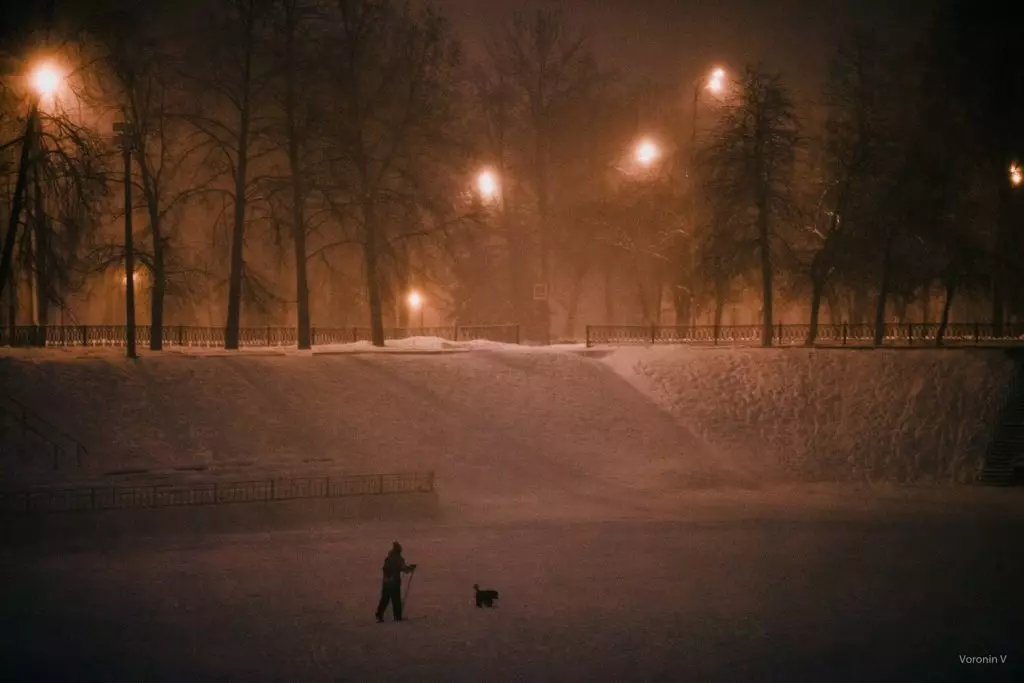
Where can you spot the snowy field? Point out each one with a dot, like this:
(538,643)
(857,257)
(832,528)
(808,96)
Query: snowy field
(633,535)
(797,590)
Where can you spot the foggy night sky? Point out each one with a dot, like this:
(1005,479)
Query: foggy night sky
(673,41)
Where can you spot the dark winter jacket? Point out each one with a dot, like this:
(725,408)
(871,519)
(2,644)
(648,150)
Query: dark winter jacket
(394,565)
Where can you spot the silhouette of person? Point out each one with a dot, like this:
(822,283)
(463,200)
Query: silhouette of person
(391,588)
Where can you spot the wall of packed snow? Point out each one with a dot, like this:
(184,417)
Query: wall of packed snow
(832,414)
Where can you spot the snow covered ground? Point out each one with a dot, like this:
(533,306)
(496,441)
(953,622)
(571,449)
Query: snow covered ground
(789,595)
(510,424)
(832,414)
(511,430)
(624,546)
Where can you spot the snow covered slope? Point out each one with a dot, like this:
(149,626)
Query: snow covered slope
(826,414)
(499,427)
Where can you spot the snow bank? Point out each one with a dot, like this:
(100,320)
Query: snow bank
(407,345)
(826,414)
(502,427)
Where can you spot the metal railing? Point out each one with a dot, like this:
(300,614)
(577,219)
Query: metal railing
(59,441)
(909,334)
(268,336)
(94,498)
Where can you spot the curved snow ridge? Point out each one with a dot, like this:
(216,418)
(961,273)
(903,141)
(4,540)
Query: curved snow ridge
(824,414)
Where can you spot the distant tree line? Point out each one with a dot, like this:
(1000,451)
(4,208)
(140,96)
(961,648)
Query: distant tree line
(328,155)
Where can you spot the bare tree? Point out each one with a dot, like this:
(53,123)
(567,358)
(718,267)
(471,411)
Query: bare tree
(549,66)
(750,164)
(388,134)
(229,74)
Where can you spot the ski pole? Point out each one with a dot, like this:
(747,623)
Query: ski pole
(408,587)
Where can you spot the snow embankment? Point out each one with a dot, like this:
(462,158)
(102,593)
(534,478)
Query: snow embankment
(503,427)
(832,415)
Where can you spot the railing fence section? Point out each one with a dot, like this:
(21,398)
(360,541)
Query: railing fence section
(268,336)
(790,335)
(212,493)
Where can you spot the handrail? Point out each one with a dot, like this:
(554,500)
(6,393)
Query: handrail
(23,414)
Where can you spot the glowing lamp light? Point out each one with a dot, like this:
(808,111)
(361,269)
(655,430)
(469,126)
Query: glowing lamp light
(647,152)
(415,300)
(716,81)
(46,79)
(139,275)
(487,184)
(1016,175)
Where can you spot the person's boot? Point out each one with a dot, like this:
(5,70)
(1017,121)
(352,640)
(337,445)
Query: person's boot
(380,619)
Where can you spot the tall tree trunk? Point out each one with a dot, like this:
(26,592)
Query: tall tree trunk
(157,294)
(302,323)
(372,267)
(231,331)
(883,288)
(999,266)
(14,219)
(764,242)
(950,281)
(40,251)
(158,288)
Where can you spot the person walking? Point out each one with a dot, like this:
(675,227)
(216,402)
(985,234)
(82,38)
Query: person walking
(391,589)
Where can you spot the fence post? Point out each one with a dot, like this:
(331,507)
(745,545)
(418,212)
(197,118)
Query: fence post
(268,335)
(976,332)
(380,483)
(181,335)
(653,334)
(517,334)
(780,332)
(327,487)
(355,334)
(312,334)
(456,337)
(272,489)
(844,334)
(85,335)
(910,334)
(588,337)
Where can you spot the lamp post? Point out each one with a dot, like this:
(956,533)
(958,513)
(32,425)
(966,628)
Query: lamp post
(124,136)
(1016,175)
(45,80)
(713,81)
(416,304)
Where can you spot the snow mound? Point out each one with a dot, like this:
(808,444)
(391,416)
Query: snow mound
(832,414)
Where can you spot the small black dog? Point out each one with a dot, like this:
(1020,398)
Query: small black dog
(485,597)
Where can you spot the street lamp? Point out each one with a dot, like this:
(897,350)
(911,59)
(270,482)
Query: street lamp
(647,152)
(123,131)
(716,80)
(45,79)
(416,304)
(1016,175)
(487,184)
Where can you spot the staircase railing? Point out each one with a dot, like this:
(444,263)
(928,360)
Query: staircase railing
(1000,456)
(60,442)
